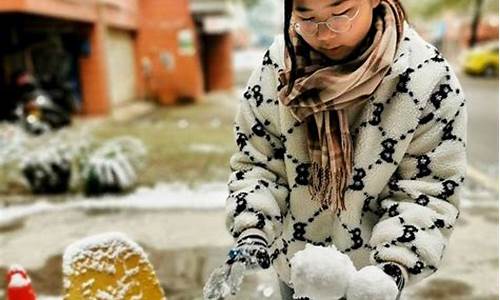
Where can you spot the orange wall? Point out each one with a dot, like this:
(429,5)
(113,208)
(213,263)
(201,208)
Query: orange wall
(80,11)
(160,23)
(94,80)
(119,13)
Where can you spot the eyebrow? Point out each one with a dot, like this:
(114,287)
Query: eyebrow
(307,9)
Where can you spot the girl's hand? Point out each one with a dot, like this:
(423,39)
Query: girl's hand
(249,254)
(253,253)
(372,283)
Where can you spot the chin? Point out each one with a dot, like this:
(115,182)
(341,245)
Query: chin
(339,54)
(336,55)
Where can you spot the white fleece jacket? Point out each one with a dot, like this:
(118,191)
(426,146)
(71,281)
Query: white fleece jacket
(409,167)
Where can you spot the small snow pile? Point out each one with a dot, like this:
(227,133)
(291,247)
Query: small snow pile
(178,195)
(109,266)
(321,273)
(371,283)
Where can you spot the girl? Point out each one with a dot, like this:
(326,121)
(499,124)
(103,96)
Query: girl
(351,133)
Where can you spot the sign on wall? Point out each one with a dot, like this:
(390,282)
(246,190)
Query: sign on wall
(185,39)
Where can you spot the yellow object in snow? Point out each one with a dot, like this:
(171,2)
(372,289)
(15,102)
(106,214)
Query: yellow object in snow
(109,266)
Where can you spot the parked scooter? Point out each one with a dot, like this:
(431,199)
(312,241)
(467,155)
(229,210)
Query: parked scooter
(39,110)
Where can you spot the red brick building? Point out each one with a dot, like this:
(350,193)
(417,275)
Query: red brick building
(121,50)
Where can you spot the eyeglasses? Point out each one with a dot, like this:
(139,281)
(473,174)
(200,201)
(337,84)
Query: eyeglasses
(339,24)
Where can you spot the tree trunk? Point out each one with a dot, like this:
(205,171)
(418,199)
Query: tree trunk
(475,22)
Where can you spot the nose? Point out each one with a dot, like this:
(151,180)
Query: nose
(324,33)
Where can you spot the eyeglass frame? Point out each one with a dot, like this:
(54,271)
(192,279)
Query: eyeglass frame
(350,19)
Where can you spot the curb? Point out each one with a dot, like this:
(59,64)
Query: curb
(482,178)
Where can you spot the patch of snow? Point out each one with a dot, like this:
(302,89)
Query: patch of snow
(106,254)
(162,196)
(18,281)
(206,148)
(265,290)
(110,246)
(477,196)
(215,123)
(183,123)
(16,268)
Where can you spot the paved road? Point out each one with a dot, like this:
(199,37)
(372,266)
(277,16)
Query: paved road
(482,133)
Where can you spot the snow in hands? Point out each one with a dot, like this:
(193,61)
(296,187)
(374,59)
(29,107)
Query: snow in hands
(324,273)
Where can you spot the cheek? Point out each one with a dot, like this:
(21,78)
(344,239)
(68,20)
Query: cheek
(312,42)
(360,28)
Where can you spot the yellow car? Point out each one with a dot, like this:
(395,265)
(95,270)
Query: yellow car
(482,60)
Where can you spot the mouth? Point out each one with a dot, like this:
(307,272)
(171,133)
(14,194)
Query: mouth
(332,49)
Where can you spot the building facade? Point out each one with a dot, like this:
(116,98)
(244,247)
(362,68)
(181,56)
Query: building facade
(116,51)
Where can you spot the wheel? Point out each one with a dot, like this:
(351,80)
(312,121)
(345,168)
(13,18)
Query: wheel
(490,71)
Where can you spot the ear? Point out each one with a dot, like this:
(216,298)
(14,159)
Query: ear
(375,3)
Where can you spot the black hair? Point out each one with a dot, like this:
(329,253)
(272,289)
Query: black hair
(288,42)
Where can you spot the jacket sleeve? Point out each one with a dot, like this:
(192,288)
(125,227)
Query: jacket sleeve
(258,188)
(420,204)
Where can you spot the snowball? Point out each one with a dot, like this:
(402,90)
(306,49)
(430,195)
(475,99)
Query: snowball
(321,272)
(371,283)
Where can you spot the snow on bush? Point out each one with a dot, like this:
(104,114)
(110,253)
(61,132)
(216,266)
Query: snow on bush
(47,171)
(39,161)
(112,167)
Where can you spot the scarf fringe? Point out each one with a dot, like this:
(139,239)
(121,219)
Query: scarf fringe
(324,191)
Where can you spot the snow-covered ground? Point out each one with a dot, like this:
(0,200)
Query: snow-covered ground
(162,196)
(158,226)
(180,196)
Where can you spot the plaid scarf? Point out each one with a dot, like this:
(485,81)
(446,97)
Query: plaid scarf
(323,91)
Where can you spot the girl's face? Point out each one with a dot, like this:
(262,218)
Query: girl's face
(335,45)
